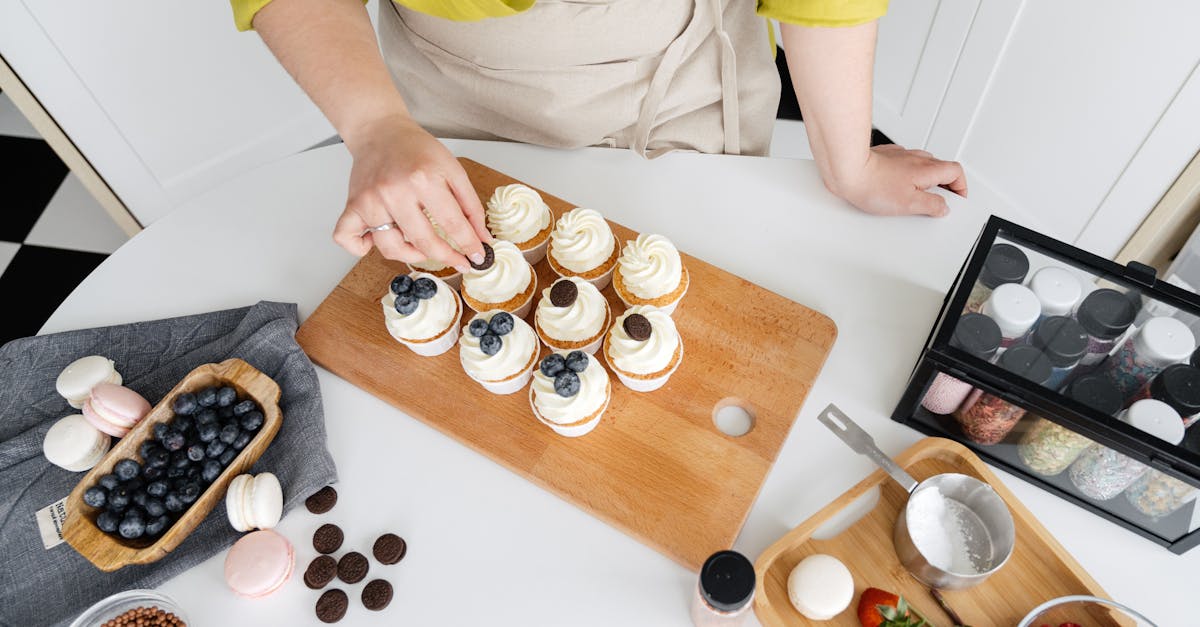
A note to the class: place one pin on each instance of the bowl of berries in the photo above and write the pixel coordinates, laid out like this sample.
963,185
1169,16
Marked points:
1081,610
156,485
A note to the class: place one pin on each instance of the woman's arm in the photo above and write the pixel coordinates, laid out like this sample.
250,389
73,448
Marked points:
400,171
831,70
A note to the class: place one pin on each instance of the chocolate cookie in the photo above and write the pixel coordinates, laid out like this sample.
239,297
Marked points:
489,258
328,538
331,607
389,548
320,572
322,500
637,326
563,293
376,595
353,567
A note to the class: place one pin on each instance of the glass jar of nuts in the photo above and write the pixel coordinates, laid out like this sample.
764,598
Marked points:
133,607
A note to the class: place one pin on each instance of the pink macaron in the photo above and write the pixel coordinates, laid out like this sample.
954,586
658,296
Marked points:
114,409
259,564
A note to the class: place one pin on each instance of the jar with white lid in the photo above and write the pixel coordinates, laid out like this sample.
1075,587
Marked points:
1101,473
1015,309
1160,342
1057,289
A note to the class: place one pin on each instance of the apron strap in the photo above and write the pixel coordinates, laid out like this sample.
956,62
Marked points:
707,19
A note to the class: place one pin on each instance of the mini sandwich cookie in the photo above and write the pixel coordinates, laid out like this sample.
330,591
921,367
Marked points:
503,281
517,214
76,381
114,409
422,312
572,315
643,348
254,502
430,266
570,393
651,272
74,444
582,245
499,351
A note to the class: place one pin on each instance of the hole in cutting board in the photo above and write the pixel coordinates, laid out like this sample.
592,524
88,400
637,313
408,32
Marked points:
733,417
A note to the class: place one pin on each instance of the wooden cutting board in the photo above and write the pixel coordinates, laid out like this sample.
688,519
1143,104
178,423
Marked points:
656,467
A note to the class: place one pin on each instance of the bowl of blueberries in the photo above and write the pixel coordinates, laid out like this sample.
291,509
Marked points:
174,466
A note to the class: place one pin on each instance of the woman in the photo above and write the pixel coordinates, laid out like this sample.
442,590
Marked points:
648,75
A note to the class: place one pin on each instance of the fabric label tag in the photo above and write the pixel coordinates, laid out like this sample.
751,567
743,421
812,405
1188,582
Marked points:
50,522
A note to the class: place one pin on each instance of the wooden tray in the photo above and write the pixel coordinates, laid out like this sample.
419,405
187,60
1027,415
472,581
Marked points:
656,467
109,553
1039,569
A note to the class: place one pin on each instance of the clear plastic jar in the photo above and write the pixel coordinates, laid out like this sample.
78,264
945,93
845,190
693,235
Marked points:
976,334
1156,494
1048,448
1157,344
1057,289
1015,309
725,592
1064,342
1101,473
1105,314
1005,263
986,418
1178,385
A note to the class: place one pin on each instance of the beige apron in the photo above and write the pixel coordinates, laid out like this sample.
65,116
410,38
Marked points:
652,76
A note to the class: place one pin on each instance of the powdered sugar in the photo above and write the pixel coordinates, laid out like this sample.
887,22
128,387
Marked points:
948,533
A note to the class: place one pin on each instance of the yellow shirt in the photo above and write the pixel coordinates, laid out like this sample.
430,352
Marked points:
802,12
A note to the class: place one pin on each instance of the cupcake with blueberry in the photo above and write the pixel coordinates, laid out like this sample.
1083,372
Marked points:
446,273
503,280
643,348
570,393
582,245
422,312
499,351
572,315
650,272
516,213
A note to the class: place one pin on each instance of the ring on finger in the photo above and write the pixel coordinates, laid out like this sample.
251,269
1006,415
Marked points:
382,227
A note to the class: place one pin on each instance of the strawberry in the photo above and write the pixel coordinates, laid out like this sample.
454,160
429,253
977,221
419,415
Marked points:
880,608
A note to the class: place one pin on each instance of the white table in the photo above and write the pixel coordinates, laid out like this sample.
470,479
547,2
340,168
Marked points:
489,548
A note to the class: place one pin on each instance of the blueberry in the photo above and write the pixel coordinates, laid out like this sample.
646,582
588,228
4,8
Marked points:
553,364
158,458
183,424
206,416
228,456
242,440
244,407
478,327
226,396
160,430
184,404
108,482
118,499
192,474
225,412
501,323
215,448
229,433
107,522
424,288
173,503
406,304
95,496
211,470
146,447
577,361
195,452
150,473
127,469
179,459
157,489
132,528
566,384
207,397
174,440
252,421
189,492
175,472
208,432
490,344
139,498
157,525
154,507
401,284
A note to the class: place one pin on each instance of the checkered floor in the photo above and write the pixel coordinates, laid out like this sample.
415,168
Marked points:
52,232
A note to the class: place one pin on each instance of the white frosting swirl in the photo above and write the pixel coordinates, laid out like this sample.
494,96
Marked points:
650,356
564,410
431,317
516,350
433,265
581,320
508,276
581,240
650,266
516,213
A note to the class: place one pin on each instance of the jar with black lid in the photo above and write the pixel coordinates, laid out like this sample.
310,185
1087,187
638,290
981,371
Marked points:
1005,263
976,334
986,418
1064,342
725,592
1105,314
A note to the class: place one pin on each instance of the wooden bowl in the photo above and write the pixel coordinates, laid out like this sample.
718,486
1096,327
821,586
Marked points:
110,552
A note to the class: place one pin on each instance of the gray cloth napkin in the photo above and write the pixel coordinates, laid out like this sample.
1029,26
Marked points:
40,586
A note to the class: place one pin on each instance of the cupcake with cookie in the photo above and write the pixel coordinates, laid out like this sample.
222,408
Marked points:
582,245
422,312
650,272
572,315
516,213
499,351
570,393
504,280
643,348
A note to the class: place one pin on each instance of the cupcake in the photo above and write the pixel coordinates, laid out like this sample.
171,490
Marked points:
504,280
570,393
572,315
583,245
650,272
643,348
517,214
434,267
499,351
422,312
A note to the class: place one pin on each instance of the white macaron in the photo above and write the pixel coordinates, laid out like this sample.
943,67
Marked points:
254,502
820,587
74,444
76,381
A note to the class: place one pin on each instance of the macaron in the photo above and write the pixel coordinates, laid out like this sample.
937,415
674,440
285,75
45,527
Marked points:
74,444
820,587
114,409
76,381
259,564
254,502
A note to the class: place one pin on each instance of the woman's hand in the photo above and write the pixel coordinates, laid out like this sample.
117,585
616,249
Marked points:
893,182
402,174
